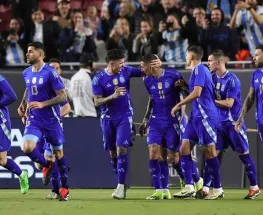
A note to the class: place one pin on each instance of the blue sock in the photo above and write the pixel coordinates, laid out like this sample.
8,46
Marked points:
187,168
114,165
122,167
214,167
38,158
155,171
55,182
63,170
207,176
196,176
178,168
250,168
12,167
164,174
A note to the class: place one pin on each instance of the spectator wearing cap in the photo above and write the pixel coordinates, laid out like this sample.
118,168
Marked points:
63,13
45,31
81,88
76,39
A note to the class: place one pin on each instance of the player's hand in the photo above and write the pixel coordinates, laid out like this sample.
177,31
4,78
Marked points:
174,109
143,128
179,83
21,110
156,63
35,105
120,91
23,120
238,125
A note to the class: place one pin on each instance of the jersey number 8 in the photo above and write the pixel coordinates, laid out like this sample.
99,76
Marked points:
34,90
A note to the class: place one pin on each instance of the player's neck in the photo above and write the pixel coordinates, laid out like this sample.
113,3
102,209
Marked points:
158,73
221,72
37,66
109,70
194,63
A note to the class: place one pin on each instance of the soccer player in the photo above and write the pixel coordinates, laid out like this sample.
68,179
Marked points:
162,127
7,97
201,127
44,91
255,93
228,100
111,93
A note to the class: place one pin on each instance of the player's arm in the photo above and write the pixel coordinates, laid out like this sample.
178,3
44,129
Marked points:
143,127
184,87
61,97
227,103
65,110
8,95
183,108
22,107
248,103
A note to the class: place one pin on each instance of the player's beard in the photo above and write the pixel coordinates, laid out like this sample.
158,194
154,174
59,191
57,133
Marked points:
259,64
32,62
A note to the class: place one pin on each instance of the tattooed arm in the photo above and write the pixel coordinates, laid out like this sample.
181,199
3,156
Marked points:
143,127
247,105
22,107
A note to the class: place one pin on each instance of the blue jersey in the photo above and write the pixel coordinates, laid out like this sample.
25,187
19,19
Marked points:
205,105
7,97
257,84
228,86
104,84
41,86
163,93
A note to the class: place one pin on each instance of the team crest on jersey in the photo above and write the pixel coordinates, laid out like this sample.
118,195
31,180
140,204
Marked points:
160,85
122,80
34,80
167,84
40,80
217,86
223,87
115,81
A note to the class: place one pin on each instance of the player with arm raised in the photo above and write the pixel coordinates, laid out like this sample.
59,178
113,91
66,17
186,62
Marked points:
111,93
44,92
202,125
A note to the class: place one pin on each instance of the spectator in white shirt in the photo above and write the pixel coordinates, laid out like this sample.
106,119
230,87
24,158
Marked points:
81,89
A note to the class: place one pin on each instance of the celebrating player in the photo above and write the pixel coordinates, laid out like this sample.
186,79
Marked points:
201,127
163,128
228,100
111,92
44,91
8,97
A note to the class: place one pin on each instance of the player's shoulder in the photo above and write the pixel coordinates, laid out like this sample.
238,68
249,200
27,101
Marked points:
232,77
147,79
99,75
201,68
172,72
27,70
257,71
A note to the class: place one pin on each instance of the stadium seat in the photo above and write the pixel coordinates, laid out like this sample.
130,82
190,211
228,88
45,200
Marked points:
76,4
48,7
96,3
5,17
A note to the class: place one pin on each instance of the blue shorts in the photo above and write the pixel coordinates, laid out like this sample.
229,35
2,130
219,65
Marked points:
227,136
52,132
166,134
201,131
5,136
119,132
44,147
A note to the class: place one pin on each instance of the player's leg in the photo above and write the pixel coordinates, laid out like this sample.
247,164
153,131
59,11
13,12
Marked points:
32,135
189,137
164,174
240,144
114,160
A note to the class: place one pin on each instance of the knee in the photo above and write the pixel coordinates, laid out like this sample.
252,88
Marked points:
28,147
210,152
170,157
154,152
121,150
58,154
113,154
3,161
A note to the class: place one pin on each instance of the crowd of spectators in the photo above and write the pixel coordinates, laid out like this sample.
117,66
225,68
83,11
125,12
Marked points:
69,28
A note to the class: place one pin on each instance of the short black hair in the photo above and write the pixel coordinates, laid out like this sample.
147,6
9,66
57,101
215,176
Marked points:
148,58
54,60
37,45
86,60
197,50
114,54
217,53
260,47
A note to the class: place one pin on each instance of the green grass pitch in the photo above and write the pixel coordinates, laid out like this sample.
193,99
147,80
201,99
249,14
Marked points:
99,202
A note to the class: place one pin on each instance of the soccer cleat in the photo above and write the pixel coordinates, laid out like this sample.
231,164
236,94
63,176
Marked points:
199,188
63,194
52,195
46,174
182,183
185,193
119,192
215,195
23,181
157,195
252,194
166,194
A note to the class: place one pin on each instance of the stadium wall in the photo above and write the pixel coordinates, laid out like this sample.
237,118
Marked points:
90,166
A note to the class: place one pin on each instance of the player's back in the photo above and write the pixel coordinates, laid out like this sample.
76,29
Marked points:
42,86
163,92
105,84
205,105
228,86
